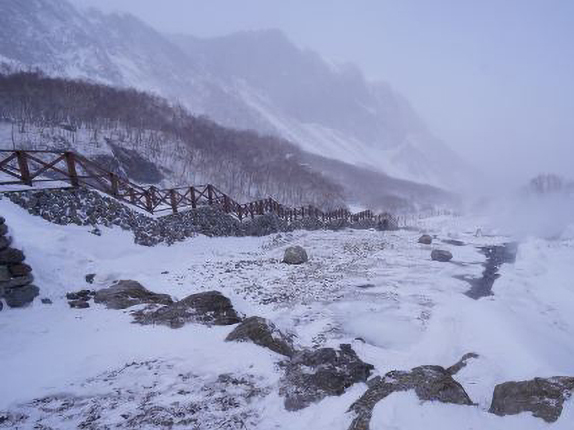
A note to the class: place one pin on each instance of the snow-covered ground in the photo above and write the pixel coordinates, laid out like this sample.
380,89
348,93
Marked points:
378,291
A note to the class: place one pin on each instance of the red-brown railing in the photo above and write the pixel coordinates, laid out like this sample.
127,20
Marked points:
29,167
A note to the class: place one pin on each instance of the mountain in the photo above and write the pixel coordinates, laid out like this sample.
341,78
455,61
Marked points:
325,109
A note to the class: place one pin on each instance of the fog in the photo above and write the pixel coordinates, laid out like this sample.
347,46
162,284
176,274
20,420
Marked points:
548,216
492,79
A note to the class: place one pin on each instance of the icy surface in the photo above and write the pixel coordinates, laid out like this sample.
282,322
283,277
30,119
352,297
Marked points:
378,291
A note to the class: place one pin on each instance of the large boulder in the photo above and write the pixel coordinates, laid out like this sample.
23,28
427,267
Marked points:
543,397
127,293
312,375
425,239
441,255
430,383
295,255
263,333
210,308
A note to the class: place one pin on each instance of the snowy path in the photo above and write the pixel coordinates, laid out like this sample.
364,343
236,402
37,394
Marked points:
378,291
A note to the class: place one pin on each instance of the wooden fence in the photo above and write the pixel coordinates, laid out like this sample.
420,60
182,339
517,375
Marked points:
28,167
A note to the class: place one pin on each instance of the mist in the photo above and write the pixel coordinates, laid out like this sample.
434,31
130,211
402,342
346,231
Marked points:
542,208
492,79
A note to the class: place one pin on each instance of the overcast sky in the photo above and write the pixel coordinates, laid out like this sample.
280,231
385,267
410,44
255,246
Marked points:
493,78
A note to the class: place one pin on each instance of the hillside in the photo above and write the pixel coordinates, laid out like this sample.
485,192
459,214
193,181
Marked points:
153,141
324,109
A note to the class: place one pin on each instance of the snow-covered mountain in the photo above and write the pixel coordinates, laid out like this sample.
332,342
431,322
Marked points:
325,109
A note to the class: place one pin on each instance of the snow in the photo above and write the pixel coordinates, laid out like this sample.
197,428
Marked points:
381,287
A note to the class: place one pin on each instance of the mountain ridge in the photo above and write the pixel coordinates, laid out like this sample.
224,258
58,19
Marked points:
325,109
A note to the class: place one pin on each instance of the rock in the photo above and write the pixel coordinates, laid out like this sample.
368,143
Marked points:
210,308
126,293
21,296
441,255
454,242
544,397
96,231
72,296
460,364
11,256
90,278
46,301
425,239
3,229
20,269
5,274
430,383
79,304
264,225
1,307
5,242
263,333
295,255
19,281
312,375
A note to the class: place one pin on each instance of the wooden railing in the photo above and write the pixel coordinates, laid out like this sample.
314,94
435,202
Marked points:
27,167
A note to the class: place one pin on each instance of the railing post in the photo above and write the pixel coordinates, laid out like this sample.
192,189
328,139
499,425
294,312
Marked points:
132,195
114,184
72,173
209,194
23,166
192,196
226,203
148,201
173,200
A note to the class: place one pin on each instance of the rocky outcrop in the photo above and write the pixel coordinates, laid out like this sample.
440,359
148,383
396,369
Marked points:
16,277
312,375
295,255
543,397
210,308
263,333
430,383
425,239
124,294
441,255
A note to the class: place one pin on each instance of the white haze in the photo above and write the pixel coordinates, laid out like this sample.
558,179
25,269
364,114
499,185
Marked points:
522,215
491,78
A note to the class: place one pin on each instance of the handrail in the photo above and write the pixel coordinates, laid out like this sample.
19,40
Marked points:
26,166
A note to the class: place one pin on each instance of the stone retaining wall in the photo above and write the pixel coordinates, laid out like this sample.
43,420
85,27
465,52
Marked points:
82,206
16,287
